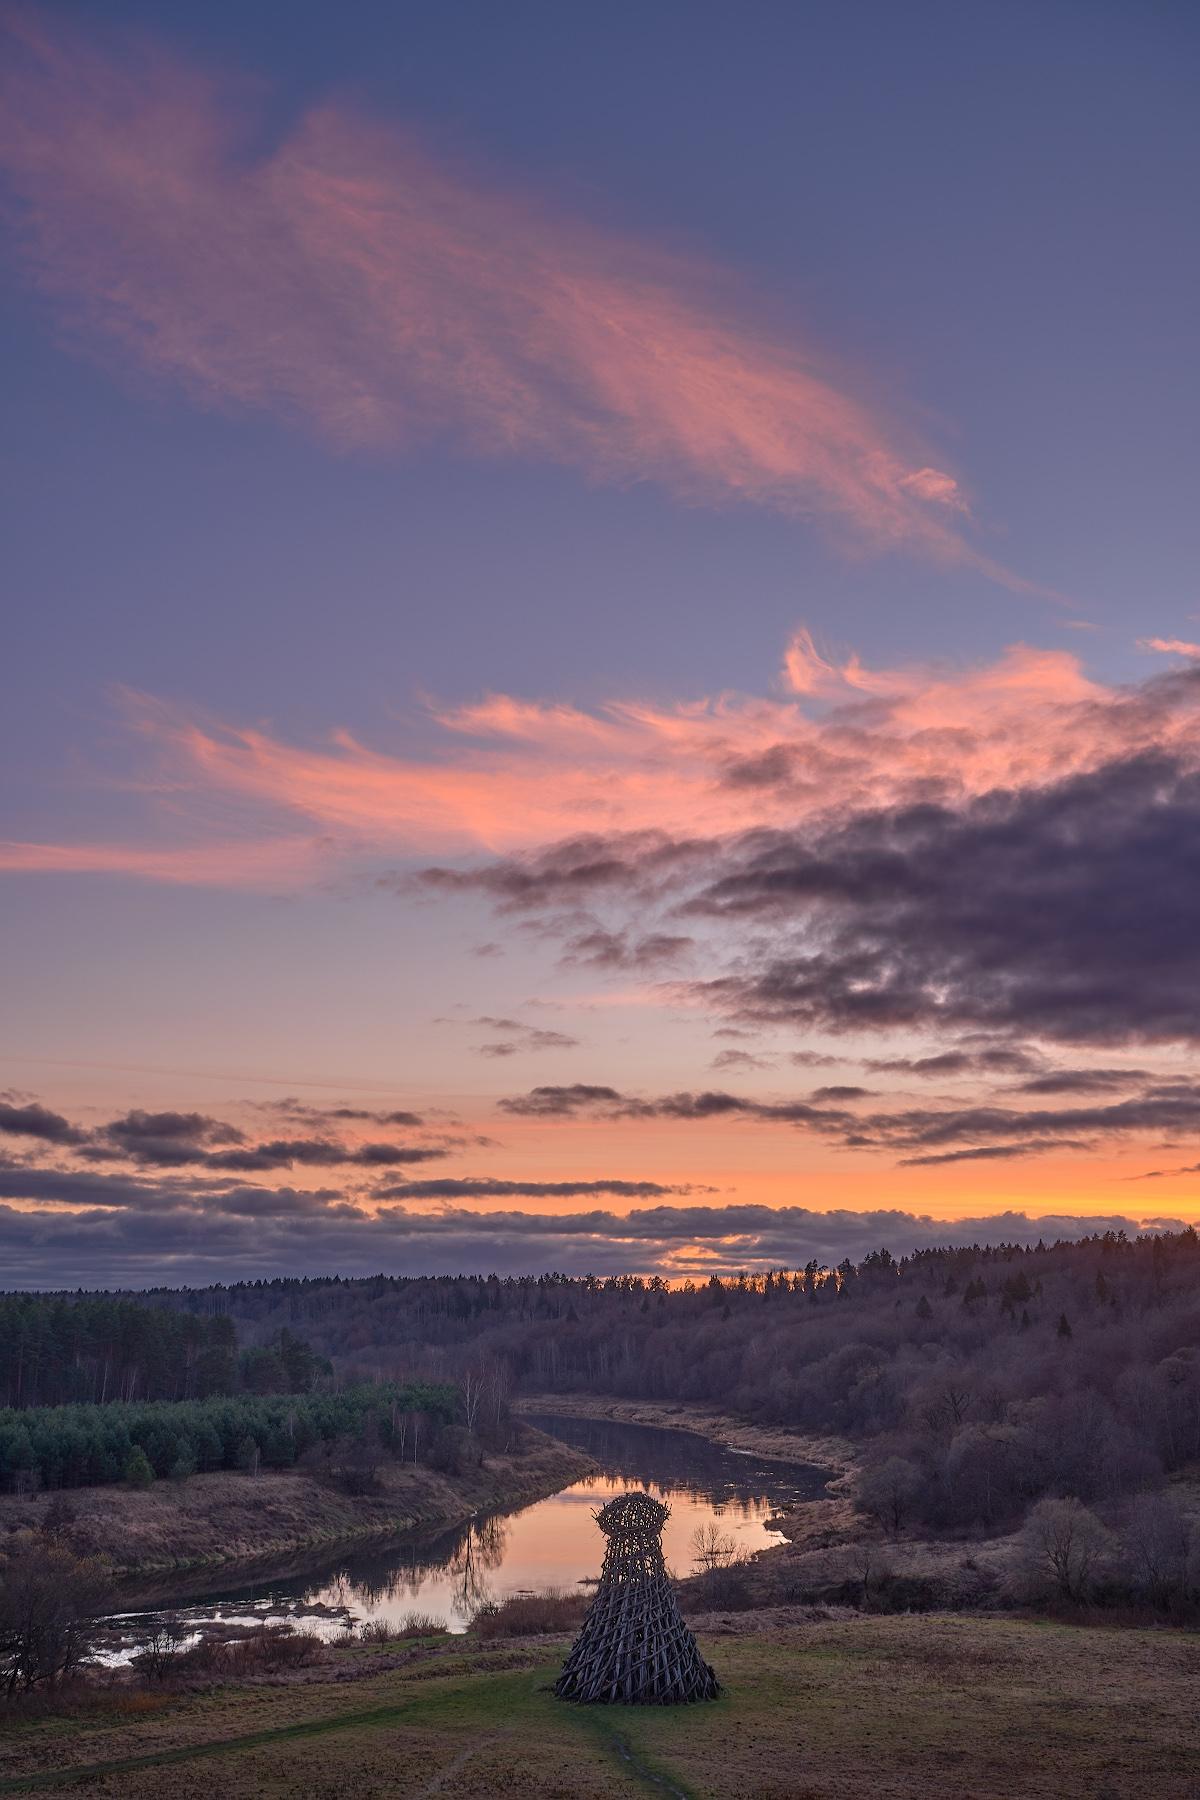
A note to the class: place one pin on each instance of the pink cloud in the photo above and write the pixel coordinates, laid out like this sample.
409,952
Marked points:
1169,646
275,863
506,774
351,281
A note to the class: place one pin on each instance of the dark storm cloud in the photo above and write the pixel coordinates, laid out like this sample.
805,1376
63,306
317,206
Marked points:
569,874
287,1153
39,1122
163,1139
987,1152
601,949
1170,1109
711,1103
335,1115
253,1232
739,1059
192,1140
993,1061
1062,912
484,1186
1081,1081
1065,913
775,767
516,1036
79,1187
561,1102
160,1193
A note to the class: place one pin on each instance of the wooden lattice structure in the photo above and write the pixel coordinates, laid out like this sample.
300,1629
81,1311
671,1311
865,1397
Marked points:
634,1647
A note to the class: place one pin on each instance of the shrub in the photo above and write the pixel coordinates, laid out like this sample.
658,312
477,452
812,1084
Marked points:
529,1615
377,1631
413,1625
260,1652
418,1624
161,1643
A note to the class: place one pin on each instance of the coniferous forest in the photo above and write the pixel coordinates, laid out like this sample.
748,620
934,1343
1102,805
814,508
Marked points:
104,1390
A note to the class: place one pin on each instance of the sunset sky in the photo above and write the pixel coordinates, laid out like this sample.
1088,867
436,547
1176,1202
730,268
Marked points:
602,650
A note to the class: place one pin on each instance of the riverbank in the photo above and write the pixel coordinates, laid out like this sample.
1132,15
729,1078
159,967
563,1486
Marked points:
832,1554
836,1454
830,1519
228,1521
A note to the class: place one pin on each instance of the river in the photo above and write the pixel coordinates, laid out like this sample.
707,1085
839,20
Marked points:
547,1543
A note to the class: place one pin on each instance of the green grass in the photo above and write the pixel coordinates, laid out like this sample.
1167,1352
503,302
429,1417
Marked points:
892,1708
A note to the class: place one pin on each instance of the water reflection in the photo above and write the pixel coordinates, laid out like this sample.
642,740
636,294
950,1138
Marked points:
551,1543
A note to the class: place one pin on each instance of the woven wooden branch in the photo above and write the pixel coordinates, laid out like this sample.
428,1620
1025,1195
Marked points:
634,1648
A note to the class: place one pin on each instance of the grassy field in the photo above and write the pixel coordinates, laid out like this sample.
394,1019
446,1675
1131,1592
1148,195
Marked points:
890,1708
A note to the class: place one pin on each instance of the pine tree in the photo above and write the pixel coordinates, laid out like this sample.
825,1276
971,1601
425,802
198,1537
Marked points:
138,1472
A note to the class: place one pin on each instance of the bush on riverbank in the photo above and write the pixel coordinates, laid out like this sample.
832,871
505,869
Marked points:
554,1610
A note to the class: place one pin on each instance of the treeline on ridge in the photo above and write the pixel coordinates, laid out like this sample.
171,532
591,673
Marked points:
61,1350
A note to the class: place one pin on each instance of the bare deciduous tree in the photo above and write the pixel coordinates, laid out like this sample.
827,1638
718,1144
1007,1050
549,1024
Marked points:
49,1601
720,1561
163,1636
1065,1542
888,1492
1155,1539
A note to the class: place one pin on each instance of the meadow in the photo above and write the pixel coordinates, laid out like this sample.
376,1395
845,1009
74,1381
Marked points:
815,1708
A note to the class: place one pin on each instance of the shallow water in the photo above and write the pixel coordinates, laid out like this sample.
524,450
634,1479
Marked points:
548,1543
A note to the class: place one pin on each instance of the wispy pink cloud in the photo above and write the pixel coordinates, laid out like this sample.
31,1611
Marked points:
352,281
278,862
506,774
1169,646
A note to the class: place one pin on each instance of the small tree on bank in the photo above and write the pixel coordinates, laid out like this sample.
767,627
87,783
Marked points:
138,1473
888,1492
1065,1544
49,1602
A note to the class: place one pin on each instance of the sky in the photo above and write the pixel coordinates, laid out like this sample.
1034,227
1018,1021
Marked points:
602,637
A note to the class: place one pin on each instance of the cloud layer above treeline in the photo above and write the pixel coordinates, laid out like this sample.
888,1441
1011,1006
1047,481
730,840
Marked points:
177,1210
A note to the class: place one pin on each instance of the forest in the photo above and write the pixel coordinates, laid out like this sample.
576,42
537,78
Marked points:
985,1378
976,1381
99,1389
140,1442
67,1349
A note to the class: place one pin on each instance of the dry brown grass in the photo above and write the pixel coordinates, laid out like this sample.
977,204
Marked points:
833,1708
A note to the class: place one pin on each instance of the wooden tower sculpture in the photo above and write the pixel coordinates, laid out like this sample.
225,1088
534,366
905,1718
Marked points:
634,1647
